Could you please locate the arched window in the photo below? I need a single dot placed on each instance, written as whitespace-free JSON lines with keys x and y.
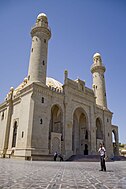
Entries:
{"x":56,"y":118}
{"x":86,"y":135}
{"x":14,"y":134}
{"x":56,"y":125}
{"x":42,"y":99}
{"x":41,"y":121}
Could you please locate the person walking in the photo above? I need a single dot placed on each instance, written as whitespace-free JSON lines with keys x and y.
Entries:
{"x":61,"y":157}
{"x":55,"y":156}
{"x":102,"y":153}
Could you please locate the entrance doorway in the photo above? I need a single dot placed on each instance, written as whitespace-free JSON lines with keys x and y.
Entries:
{"x":86,"y":150}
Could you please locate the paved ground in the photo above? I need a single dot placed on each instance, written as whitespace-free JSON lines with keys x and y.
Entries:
{"x":18,"y":174}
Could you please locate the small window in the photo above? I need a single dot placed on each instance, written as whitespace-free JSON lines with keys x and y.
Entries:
{"x":86,"y":135}
{"x":107,"y":120}
{"x":44,"y":40}
{"x":22,"y":135}
{"x":42,"y":99}
{"x":2,"y":117}
{"x":96,"y":87}
{"x":108,"y":134}
{"x":32,"y":50}
{"x":41,"y":121}
{"x":36,"y":39}
{"x":43,"y":62}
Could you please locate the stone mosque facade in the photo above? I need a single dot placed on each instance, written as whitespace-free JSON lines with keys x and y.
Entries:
{"x":42,"y":115}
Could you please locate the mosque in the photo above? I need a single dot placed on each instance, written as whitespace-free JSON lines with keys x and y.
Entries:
{"x":42,"y":115}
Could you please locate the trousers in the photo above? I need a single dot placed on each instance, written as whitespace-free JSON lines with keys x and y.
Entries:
{"x":103,"y":166}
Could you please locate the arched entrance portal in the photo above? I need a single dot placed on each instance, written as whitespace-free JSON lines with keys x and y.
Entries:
{"x":56,"y":130}
{"x":80,"y":132}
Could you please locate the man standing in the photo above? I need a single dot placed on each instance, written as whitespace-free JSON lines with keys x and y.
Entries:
{"x":102,"y":152}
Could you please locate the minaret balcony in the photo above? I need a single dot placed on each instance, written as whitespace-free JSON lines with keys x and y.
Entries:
{"x":96,"y":67}
{"x":46,"y":30}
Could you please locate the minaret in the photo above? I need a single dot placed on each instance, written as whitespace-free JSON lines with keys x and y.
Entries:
{"x":98,"y":69}
{"x":40,"y":34}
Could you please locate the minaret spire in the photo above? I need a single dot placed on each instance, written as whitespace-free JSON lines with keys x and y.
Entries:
{"x":98,"y":69}
{"x":40,"y":34}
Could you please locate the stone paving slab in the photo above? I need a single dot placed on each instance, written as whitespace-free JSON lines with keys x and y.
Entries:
{"x":18,"y":174}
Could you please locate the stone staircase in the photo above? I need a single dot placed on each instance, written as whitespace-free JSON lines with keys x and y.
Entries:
{"x":81,"y":158}
{"x":119,"y":158}
{"x":93,"y":158}
{"x":76,"y":158}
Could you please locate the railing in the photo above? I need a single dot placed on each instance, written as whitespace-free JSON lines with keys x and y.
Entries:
{"x":96,"y":65}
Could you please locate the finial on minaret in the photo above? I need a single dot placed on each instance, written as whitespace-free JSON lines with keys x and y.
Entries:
{"x":42,"y":20}
{"x":98,"y":69}
{"x":97,"y":59}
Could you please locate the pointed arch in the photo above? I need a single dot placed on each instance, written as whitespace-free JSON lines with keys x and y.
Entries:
{"x":56,"y":121}
{"x":56,"y":129}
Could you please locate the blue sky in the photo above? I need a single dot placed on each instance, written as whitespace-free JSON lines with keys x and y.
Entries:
{"x":79,"y":28}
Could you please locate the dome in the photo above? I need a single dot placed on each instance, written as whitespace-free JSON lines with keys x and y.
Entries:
{"x":41,"y":15}
{"x":96,"y":54}
{"x":50,"y":82}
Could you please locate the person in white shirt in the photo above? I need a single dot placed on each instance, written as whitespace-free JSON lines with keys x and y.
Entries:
{"x":102,"y":152}
{"x":55,"y":156}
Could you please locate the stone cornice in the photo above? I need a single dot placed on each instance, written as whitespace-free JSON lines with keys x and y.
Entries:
{"x":106,"y":110}
{"x":95,"y":68}
{"x":44,"y":89}
{"x":89,"y":91}
{"x":23,"y":91}
{"x":37,"y":87}
{"x":82,"y":95}
{"x":114,"y":126}
{"x":3,"y":105}
{"x":26,"y":90}
{"x":80,"y":102}
{"x":17,"y":100}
